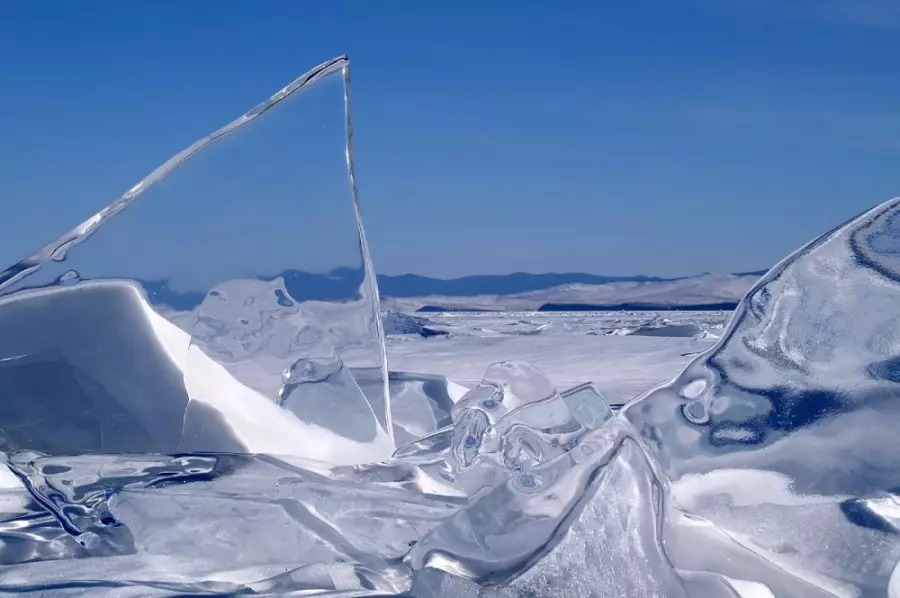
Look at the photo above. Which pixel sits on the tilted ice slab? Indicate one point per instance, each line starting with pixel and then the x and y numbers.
pixel 215 306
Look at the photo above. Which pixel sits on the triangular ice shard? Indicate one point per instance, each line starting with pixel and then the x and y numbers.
pixel 226 302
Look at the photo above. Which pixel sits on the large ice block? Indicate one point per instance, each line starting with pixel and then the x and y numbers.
pixel 781 441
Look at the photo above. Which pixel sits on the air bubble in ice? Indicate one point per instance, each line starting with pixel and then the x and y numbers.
pixel 695 412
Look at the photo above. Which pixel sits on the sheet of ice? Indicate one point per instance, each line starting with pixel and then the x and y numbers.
pixel 218 305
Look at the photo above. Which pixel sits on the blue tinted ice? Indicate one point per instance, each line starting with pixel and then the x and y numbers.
pixel 225 303
pixel 781 441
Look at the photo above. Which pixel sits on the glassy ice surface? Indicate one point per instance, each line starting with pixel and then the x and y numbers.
pixel 217 306
pixel 779 446
pixel 193 402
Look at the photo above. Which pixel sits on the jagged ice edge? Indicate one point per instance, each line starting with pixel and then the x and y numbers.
pixel 370 283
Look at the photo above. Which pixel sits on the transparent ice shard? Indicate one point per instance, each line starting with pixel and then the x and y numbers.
pixel 515 418
pixel 227 302
pixel 514 450
pixel 610 546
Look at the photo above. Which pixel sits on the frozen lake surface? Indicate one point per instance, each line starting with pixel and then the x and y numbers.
pixel 571 348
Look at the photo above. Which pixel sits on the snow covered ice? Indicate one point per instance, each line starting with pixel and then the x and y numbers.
pixel 196 400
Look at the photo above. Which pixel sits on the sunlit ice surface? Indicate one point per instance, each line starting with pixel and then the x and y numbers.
pixel 196 401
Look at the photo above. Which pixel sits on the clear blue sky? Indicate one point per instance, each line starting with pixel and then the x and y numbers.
pixel 648 136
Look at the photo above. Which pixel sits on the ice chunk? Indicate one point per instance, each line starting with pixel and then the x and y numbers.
pixel 514 417
pixel 225 303
pixel 509 524
pixel 610 549
pixel 782 437
pixel 515 450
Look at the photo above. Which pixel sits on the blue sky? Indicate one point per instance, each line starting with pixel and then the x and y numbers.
pixel 653 137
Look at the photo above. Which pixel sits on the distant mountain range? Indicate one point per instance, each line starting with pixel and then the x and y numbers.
pixel 413 285
pixel 568 292
pixel 517 291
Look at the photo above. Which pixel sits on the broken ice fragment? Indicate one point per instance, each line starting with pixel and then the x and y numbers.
pixel 782 438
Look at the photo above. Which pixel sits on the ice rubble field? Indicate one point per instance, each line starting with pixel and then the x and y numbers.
pixel 217 406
